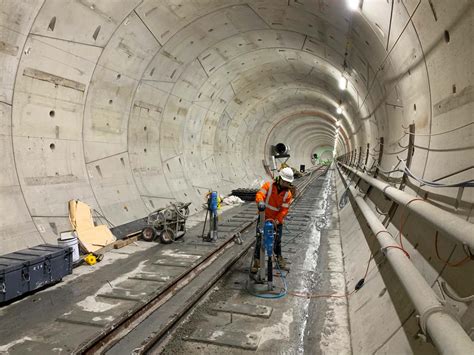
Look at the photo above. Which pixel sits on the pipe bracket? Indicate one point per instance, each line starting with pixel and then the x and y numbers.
pixel 423 319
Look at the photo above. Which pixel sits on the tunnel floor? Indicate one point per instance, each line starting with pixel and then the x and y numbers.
pixel 302 321
pixel 62 319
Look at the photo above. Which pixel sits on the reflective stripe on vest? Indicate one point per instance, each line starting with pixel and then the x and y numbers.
pixel 269 193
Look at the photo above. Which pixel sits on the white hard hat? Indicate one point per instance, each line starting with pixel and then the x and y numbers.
pixel 287 174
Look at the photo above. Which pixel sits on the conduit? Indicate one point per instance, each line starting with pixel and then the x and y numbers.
pixel 445 222
pixel 446 333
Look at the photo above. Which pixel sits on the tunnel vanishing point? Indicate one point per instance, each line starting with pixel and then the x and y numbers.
pixel 130 104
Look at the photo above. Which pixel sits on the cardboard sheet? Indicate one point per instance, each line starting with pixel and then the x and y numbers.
pixel 91 238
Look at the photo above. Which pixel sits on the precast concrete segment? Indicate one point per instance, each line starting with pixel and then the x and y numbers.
pixel 447 334
pixel 448 223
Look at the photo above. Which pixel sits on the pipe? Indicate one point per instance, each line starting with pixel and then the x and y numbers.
pixel 447 223
pixel 446 333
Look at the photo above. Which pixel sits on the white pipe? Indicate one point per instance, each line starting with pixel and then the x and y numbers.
pixel 446 333
pixel 450 225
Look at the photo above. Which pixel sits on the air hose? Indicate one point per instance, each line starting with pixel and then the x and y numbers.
pixel 282 294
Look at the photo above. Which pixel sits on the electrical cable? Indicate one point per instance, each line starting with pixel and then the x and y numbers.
pixel 446 262
pixel 282 294
pixel 344 198
pixel 402 223
pixel 440 133
pixel 466 183
pixel 395 153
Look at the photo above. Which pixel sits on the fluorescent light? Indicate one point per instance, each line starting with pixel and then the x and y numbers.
pixel 342 83
pixel 353 4
pixel 339 110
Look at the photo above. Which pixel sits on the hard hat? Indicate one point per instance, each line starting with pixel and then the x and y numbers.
pixel 287 174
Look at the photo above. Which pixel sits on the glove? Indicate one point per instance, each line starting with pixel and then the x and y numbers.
pixel 261 206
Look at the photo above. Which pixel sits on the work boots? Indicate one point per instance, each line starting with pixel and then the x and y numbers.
pixel 282 263
pixel 255 266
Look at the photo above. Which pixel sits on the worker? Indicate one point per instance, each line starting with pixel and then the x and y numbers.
pixel 277 198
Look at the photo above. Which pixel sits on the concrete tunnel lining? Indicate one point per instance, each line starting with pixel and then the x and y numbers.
pixel 127 105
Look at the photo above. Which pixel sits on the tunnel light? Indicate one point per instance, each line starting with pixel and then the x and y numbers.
pixel 339 110
pixel 353 4
pixel 342 83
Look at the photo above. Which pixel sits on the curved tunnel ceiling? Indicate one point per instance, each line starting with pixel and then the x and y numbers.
pixel 127 105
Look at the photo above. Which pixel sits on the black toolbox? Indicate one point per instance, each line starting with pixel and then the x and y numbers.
pixel 29 269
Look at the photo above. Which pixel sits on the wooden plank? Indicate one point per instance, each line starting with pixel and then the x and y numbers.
pixel 124 242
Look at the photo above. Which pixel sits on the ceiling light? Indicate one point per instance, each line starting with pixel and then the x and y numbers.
pixel 353 4
pixel 339 110
pixel 342 83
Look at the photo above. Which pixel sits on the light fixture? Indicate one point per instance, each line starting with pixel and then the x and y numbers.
pixel 339 109
pixel 353 4
pixel 342 83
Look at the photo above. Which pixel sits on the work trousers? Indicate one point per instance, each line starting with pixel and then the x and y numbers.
pixel 276 243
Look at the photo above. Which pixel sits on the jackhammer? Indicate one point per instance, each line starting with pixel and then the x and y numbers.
pixel 212 206
pixel 266 234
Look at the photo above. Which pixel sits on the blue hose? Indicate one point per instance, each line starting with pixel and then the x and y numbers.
pixel 270 295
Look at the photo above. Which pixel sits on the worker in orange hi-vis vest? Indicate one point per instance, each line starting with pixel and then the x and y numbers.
pixel 277 198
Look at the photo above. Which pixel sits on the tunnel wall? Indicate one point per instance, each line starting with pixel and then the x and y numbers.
pixel 127 105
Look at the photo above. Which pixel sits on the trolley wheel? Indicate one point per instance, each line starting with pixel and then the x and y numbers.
pixel 148 234
pixel 167 236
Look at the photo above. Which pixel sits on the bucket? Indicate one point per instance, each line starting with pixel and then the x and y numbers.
pixel 73 243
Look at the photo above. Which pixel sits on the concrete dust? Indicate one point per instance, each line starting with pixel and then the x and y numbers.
pixel 178 254
pixel 4 348
pixel 92 304
pixel 279 331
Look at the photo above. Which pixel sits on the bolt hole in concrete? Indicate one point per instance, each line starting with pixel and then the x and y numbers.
pixel 447 38
pixel 96 33
pixel 52 113
pixel 111 101
pixel 119 76
pixel 52 146
pixel 52 24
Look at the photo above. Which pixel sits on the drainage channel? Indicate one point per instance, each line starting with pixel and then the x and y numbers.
pixel 141 330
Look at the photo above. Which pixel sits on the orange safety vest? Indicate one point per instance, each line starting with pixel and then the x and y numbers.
pixel 277 203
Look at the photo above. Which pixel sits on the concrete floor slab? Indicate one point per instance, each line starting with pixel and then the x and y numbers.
pixel 234 339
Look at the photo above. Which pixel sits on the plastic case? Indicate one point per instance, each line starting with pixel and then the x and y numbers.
pixel 29 269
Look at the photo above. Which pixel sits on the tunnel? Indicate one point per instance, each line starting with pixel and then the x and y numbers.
pixel 128 105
